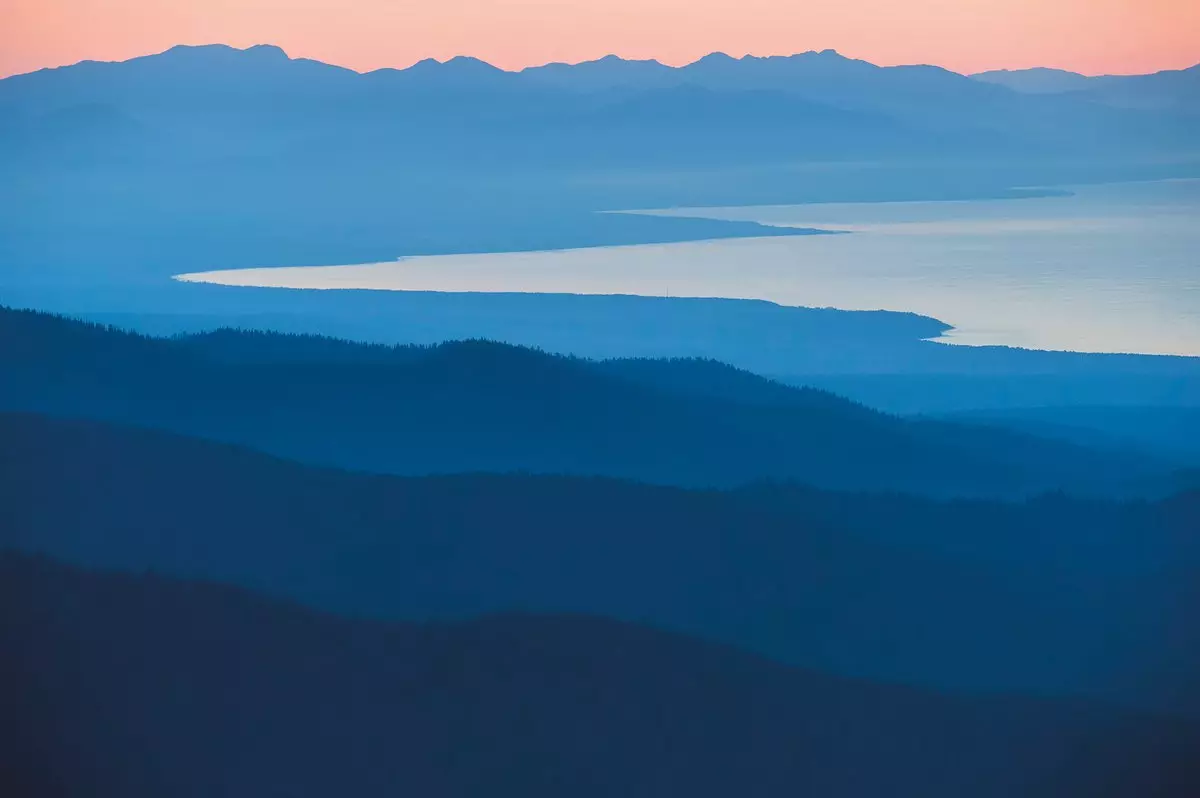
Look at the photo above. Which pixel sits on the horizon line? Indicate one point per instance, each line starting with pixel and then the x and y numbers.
pixel 607 56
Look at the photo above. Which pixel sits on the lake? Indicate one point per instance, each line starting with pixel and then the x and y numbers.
pixel 1109 268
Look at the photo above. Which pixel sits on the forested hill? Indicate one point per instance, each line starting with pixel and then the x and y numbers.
pixel 480 406
pixel 1054 596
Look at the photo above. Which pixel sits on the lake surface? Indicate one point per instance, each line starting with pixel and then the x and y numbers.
pixel 1111 268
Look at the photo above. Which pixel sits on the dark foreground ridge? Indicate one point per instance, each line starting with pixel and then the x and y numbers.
pixel 141 686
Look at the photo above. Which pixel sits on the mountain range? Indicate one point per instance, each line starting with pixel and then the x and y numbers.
pixel 827 74
pixel 119 173
pixel 482 406
pixel 806 105
pixel 1056 595
pixel 1170 89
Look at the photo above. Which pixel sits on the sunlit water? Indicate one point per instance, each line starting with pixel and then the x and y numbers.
pixel 1112 268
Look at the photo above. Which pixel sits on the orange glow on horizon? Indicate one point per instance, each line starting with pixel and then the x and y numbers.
pixel 1089 36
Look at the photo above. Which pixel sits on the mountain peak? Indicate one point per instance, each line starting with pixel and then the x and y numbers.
pixel 1037 80
pixel 267 51
pixel 458 65
pixel 258 51
pixel 470 62
pixel 716 58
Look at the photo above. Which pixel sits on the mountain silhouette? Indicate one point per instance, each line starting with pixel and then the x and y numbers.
pixel 252 158
pixel 144 686
pixel 1054 596
pixel 1038 80
pixel 481 406
pixel 1172 89
pixel 605 74
pixel 930 105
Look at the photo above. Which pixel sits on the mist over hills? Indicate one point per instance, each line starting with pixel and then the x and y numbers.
pixel 1172 431
pixel 144 686
pixel 1057 596
pixel 481 406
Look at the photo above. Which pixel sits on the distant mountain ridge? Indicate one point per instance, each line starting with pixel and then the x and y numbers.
pixel 794 73
pixel 1173 88
pixel 828 58
pixel 251 158
pixel 1038 80
pixel 921 95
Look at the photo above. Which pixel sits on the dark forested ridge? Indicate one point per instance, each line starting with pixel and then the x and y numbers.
pixel 141 686
pixel 1054 596
pixel 480 406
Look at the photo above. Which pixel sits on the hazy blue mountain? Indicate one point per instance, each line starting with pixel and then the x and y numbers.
pixel 1177 90
pixel 1038 80
pixel 914 92
pixel 1055 596
pixel 211 156
pixel 826 77
pixel 999 379
pixel 260 92
pixel 605 74
pixel 742 126
pixel 143 686
pixel 181 77
pixel 1173 432
pixel 1173 89
pixel 460 70
pixel 482 406
pixel 926 97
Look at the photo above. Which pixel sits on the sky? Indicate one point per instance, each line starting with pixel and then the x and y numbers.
pixel 1089 36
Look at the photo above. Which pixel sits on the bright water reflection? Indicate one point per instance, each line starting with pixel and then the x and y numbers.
pixel 1112 268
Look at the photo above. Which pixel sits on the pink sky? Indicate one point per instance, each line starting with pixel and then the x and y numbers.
pixel 1090 36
